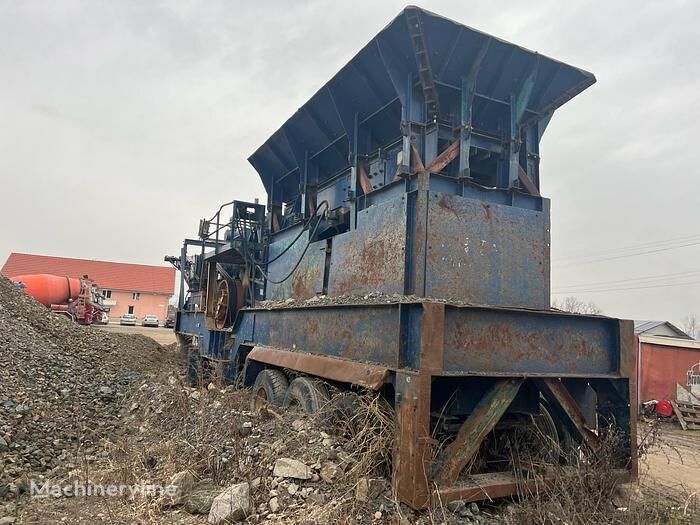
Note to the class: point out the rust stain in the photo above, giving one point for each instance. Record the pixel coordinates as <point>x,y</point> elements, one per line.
<point>312,327</point>
<point>442,202</point>
<point>333,368</point>
<point>298,286</point>
<point>475,343</point>
<point>487,211</point>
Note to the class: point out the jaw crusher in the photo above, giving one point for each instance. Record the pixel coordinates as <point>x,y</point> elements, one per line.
<point>405,248</point>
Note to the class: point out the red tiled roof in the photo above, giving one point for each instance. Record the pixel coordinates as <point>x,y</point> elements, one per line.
<point>110,275</point>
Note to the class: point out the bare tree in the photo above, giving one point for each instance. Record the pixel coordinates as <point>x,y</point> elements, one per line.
<point>576,305</point>
<point>691,325</point>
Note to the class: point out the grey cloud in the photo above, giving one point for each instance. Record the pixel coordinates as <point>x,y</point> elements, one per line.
<point>118,115</point>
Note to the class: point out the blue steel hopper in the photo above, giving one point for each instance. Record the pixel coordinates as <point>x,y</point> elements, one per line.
<point>404,248</point>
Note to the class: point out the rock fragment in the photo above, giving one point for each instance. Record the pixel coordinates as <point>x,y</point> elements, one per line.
<point>291,468</point>
<point>233,504</point>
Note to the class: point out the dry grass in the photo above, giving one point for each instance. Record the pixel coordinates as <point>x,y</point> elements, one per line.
<point>173,429</point>
<point>366,423</point>
<point>586,492</point>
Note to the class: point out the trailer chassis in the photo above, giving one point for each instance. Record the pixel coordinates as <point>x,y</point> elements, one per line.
<point>487,359</point>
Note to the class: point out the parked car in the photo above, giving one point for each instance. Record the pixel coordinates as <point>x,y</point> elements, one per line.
<point>104,319</point>
<point>169,322</point>
<point>150,320</point>
<point>127,320</point>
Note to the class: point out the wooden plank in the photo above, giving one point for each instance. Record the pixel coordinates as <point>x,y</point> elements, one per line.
<point>480,422</point>
<point>679,415</point>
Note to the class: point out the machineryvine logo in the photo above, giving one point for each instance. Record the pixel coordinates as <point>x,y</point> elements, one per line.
<point>55,490</point>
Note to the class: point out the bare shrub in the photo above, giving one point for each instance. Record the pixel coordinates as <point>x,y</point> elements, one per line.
<point>366,422</point>
<point>587,492</point>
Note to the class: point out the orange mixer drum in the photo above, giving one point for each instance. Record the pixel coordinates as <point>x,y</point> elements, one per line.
<point>49,289</point>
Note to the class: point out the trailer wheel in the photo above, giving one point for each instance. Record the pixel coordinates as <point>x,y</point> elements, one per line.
<point>270,388</point>
<point>307,394</point>
<point>546,432</point>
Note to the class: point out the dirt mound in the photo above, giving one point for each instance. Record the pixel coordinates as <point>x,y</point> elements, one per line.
<point>60,386</point>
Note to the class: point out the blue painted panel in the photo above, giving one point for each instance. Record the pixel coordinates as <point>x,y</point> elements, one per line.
<point>523,342</point>
<point>372,257</point>
<point>307,279</point>
<point>487,254</point>
<point>336,193</point>
<point>210,342</point>
<point>363,333</point>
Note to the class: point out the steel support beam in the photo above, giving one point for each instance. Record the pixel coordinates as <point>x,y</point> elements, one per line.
<point>481,487</point>
<point>440,162</point>
<point>416,162</point>
<point>518,106</point>
<point>467,106</point>
<point>425,70</point>
<point>414,443</point>
<point>480,422</point>
<point>363,179</point>
<point>332,368</point>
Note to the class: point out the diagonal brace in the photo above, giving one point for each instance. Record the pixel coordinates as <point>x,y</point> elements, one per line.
<point>565,405</point>
<point>447,155</point>
<point>526,181</point>
<point>480,422</point>
<point>416,164</point>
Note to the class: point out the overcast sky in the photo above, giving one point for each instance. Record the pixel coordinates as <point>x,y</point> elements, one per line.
<point>124,122</point>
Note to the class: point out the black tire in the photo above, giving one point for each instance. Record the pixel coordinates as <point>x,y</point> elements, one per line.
<point>307,394</point>
<point>270,388</point>
<point>547,434</point>
<point>568,452</point>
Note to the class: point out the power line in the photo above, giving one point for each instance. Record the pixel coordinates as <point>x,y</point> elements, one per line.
<point>634,247</point>
<point>630,251</point>
<point>691,283</point>
<point>645,252</point>
<point>649,279</point>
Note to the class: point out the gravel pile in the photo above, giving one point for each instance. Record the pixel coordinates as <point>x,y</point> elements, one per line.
<point>60,389</point>
<point>370,298</point>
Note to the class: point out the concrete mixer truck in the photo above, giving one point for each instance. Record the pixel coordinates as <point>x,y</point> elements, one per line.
<point>76,299</point>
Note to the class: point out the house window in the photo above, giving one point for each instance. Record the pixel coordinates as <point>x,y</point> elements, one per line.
<point>131,309</point>
<point>107,294</point>
<point>135,295</point>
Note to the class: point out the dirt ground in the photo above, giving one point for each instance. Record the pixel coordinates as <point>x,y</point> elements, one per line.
<point>672,467</point>
<point>161,335</point>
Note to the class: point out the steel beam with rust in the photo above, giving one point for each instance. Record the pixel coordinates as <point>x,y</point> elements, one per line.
<point>447,155</point>
<point>480,422</point>
<point>333,368</point>
<point>414,444</point>
<point>363,179</point>
<point>480,487</point>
